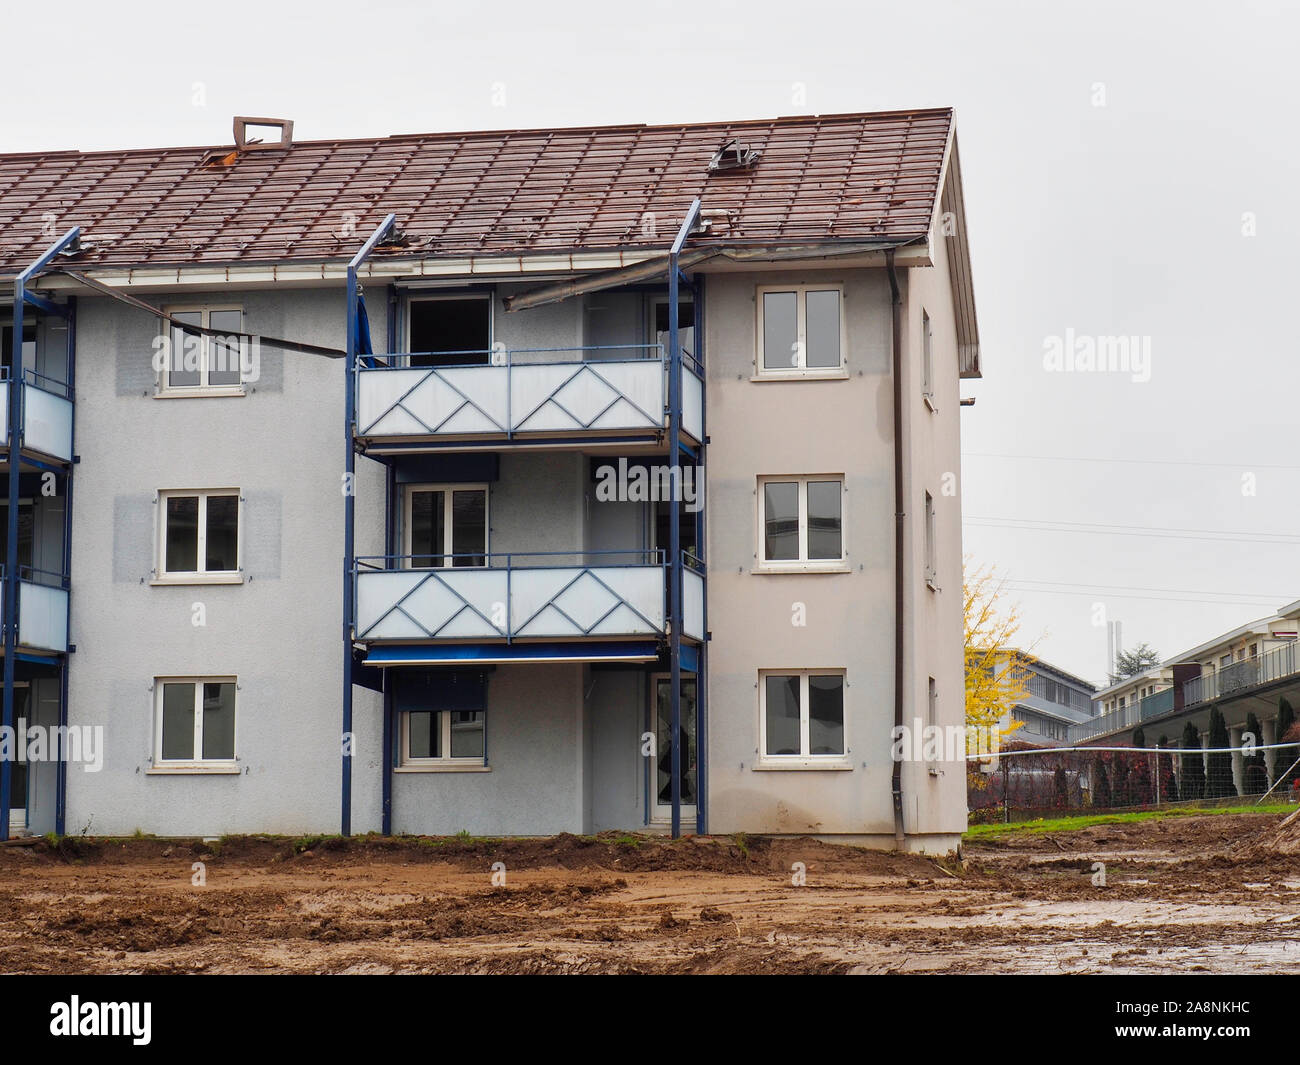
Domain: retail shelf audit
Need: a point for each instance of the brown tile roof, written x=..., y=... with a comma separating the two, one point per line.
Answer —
x=852, y=177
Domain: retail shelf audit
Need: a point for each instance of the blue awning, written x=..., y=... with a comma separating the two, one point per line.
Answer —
x=505, y=653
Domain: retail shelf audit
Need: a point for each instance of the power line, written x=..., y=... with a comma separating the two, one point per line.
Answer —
x=1143, y=531
x=1149, y=598
x=1269, y=596
x=1137, y=462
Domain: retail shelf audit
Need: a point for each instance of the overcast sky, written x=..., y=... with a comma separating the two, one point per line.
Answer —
x=1116, y=157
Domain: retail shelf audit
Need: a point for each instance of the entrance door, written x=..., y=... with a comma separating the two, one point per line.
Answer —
x=663, y=779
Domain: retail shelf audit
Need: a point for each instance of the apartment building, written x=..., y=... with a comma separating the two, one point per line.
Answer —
x=1246, y=672
x=1053, y=701
x=512, y=482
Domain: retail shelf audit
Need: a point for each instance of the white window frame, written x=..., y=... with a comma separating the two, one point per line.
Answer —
x=197, y=764
x=200, y=576
x=804, y=760
x=802, y=564
x=927, y=360
x=801, y=371
x=408, y=497
x=932, y=722
x=446, y=762
x=165, y=390
x=931, y=545
x=434, y=297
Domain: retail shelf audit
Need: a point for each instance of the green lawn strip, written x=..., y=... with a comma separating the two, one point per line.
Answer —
x=1070, y=824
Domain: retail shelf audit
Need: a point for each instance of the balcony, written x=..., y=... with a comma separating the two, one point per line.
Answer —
x=46, y=415
x=594, y=394
x=42, y=609
x=584, y=596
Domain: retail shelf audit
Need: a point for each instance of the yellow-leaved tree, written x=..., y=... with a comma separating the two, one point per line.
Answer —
x=996, y=677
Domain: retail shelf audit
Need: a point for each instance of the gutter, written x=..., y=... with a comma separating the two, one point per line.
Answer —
x=899, y=519
x=654, y=268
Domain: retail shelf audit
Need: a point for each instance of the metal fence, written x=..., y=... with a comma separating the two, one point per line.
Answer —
x=1023, y=781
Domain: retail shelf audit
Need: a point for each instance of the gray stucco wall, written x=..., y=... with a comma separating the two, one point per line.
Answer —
x=534, y=784
x=279, y=632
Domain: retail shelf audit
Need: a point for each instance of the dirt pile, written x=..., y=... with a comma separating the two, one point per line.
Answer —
x=1282, y=838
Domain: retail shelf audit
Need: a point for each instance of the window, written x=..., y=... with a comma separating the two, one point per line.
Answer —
x=198, y=364
x=927, y=361
x=801, y=521
x=802, y=715
x=931, y=553
x=449, y=330
x=446, y=525
x=932, y=709
x=7, y=344
x=800, y=331
x=195, y=723
x=200, y=540
x=443, y=737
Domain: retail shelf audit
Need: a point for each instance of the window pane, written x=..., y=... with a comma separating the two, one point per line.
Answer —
x=469, y=526
x=824, y=539
x=823, y=328
x=219, y=721
x=826, y=715
x=427, y=533
x=182, y=534
x=466, y=733
x=186, y=352
x=223, y=353
x=422, y=741
x=178, y=722
x=223, y=534
x=780, y=330
x=782, y=714
x=780, y=521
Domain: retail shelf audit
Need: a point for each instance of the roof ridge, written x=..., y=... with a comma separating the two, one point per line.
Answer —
x=720, y=124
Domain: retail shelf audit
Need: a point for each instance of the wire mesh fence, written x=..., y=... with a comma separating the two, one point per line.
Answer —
x=1023, y=781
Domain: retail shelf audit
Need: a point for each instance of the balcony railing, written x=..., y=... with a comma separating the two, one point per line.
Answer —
x=1262, y=669
x=528, y=392
x=538, y=595
x=42, y=609
x=46, y=409
x=1277, y=664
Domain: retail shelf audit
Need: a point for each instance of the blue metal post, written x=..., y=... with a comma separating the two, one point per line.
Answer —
x=390, y=548
x=14, y=441
x=349, y=512
x=674, y=514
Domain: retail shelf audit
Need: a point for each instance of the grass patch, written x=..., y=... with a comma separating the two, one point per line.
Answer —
x=1071, y=824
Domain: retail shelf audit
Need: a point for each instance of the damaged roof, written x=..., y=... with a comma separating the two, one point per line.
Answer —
x=858, y=177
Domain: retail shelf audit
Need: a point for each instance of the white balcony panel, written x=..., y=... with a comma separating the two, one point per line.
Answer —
x=423, y=402
x=47, y=423
x=553, y=602
x=595, y=601
x=573, y=397
x=4, y=412
x=692, y=605
x=692, y=404
x=426, y=604
x=541, y=397
x=42, y=617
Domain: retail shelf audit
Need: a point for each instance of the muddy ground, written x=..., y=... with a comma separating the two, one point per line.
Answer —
x=1188, y=894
